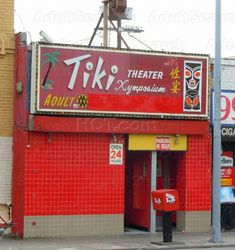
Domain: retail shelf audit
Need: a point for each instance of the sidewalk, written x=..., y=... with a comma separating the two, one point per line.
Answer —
x=126, y=241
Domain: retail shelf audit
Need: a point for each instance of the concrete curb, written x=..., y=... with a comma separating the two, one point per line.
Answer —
x=122, y=242
x=171, y=247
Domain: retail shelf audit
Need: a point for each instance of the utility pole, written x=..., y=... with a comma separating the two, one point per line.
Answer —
x=216, y=206
x=115, y=10
x=105, y=23
x=119, y=40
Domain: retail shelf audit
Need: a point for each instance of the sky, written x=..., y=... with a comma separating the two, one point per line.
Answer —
x=169, y=25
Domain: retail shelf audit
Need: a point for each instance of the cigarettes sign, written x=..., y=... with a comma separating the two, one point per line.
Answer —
x=72, y=80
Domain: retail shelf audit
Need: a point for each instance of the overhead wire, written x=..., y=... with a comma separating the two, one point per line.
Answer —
x=138, y=40
x=23, y=26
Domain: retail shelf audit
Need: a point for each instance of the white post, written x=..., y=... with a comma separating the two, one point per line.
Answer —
x=105, y=23
x=216, y=226
x=152, y=228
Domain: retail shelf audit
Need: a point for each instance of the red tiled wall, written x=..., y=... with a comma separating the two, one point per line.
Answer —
x=18, y=181
x=69, y=174
x=194, y=175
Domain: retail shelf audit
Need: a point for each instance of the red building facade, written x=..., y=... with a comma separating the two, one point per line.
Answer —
x=91, y=173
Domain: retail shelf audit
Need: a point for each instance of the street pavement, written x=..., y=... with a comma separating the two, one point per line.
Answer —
x=132, y=240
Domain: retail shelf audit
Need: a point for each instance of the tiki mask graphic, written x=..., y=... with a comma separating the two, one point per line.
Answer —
x=192, y=85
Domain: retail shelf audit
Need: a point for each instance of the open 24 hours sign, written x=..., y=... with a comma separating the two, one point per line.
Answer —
x=116, y=154
x=76, y=80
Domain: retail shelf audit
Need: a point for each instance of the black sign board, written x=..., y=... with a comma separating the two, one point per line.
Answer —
x=228, y=133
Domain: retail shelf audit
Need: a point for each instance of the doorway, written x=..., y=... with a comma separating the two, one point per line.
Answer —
x=166, y=178
x=138, y=185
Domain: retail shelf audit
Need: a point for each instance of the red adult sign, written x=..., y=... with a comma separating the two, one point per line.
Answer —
x=85, y=80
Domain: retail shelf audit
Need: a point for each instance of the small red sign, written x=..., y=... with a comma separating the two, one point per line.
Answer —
x=163, y=143
x=226, y=172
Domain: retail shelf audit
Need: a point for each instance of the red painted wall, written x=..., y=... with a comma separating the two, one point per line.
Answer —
x=69, y=174
x=194, y=175
x=20, y=125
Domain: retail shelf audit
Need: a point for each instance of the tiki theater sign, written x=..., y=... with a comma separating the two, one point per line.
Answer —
x=80, y=80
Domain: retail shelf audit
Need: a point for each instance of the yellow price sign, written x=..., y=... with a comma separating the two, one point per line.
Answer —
x=226, y=182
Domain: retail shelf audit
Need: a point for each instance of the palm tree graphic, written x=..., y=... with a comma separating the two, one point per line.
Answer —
x=52, y=60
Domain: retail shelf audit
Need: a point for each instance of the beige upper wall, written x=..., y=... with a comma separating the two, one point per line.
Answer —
x=6, y=66
x=7, y=15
